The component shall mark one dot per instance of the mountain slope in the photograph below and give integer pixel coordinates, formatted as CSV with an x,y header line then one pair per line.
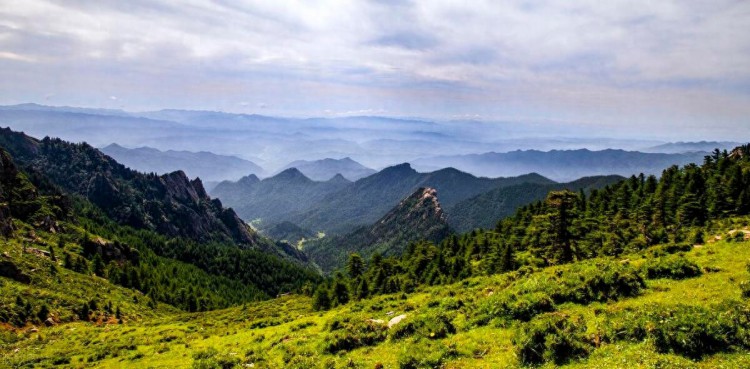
x,y
170,204
370,198
484,210
205,165
325,169
278,198
562,165
417,217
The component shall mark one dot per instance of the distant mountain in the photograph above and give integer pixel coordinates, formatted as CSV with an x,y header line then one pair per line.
x,y
205,165
169,204
484,210
562,165
369,198
686,147
339,206
325,169
417,217
278,198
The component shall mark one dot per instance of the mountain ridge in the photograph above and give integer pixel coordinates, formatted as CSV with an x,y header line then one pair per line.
x,y
417,217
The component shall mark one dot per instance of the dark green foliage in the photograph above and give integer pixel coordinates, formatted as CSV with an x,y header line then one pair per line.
x,y
582,283
684,330
321,298
352,332
485,209
220,275
509,306
427,355
552,337
601,281
431,325
671,266
745,289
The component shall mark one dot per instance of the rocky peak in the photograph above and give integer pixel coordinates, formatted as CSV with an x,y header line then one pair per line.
x,y
422,204
178,186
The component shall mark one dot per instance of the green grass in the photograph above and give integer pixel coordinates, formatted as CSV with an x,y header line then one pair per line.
x,y
441,329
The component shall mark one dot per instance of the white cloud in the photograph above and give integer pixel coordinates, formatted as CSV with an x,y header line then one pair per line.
x,y
586,60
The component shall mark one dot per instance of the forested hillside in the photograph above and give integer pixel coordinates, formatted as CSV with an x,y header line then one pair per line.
x,y
170,204
483,210
626,217
56,241
417,217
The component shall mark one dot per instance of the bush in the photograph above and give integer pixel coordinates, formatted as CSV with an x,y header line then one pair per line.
x,y
745,288
668,249
689,331
212,359
427,356
552,337
602,281
431,325
509,306
348,334
673,267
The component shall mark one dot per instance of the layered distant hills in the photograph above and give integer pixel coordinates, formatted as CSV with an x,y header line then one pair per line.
x,y
274,142
205,165
561,165
325,169
339,206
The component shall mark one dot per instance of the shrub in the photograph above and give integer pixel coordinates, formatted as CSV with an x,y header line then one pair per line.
x,y
431,325
673,267
601,281
745,288
348,334
689,331
552,337
427,356
212,359
509,306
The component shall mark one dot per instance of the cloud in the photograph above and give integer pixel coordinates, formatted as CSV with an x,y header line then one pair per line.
x,y
621,61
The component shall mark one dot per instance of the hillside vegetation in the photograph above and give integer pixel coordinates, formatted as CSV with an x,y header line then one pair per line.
x,y
598,313
645,272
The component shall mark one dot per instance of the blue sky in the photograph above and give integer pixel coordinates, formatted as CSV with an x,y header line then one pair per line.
x,y
649,66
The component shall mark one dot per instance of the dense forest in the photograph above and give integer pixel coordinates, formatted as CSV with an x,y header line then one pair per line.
x,y
631,215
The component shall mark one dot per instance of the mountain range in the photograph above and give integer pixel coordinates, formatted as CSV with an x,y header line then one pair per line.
x,y
205,165
274,142
325,169
561,165
169,204
338,205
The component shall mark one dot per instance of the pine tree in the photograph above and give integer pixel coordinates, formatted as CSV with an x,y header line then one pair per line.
x,y
321,300
355,267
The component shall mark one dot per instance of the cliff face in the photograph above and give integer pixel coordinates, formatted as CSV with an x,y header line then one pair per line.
x,y
419,214
170,204
417,217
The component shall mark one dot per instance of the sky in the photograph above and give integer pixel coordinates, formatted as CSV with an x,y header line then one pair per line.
x,y
644,66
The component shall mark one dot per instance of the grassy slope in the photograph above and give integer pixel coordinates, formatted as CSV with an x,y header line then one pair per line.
x,y
286,333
